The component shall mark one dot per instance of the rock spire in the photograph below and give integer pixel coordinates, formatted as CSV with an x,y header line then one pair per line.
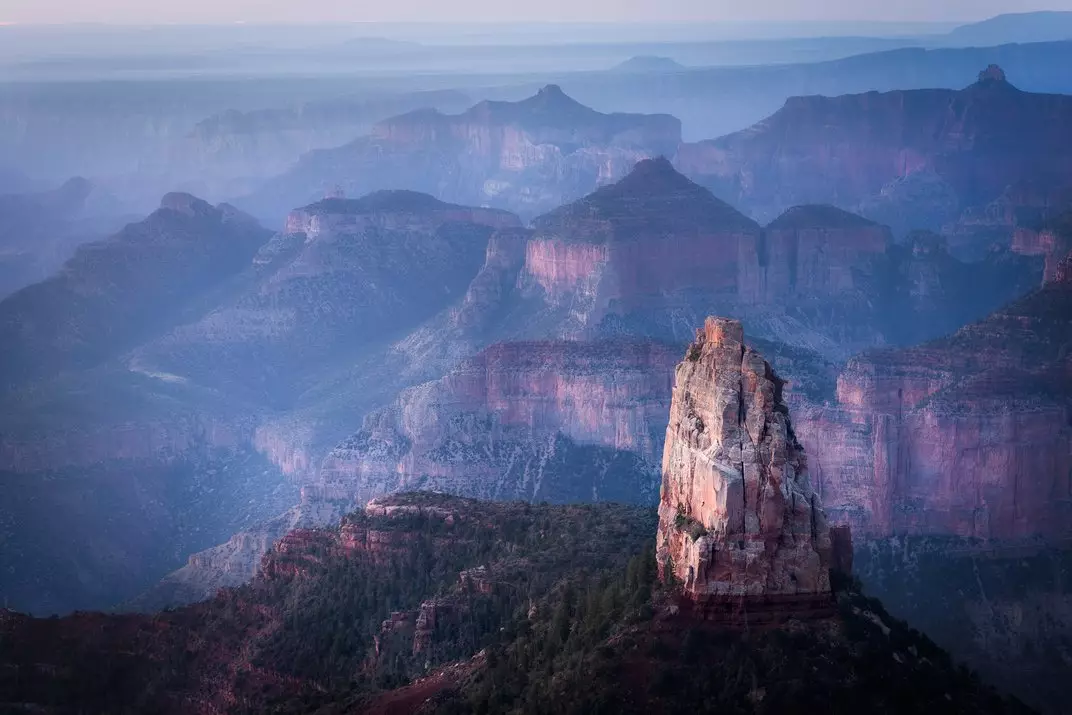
x,y
737,515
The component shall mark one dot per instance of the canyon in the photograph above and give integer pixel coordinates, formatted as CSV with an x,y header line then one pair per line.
x,y
580,414
419,419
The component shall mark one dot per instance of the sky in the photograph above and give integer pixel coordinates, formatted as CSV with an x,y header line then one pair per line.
x,y
228,11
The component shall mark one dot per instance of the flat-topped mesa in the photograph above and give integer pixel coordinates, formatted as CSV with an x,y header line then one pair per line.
x,y
738,520
396,210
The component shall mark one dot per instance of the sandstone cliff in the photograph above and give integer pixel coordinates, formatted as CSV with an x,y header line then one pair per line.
x,y
552,420
655,252
590,292
737,515
914,159
967,435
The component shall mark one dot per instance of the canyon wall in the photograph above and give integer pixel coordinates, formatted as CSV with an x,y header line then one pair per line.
x,y
967,435
974,164
548,420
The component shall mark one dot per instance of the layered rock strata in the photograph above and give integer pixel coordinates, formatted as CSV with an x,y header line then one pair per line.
x,y
737,515
968,435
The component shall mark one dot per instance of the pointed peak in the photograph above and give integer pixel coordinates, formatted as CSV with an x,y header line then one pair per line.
x,y
655,175
551,91
728,417
819,216
657,195
186,204
655,166
552,97
717,332
992,73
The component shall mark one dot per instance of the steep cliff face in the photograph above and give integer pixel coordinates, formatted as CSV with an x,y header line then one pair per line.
x,y
645,258
811,252
915,159
653,252
968,435
553,420
527,157
1051,238
737,515
653,234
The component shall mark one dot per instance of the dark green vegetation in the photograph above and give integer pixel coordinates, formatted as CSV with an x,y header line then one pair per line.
x,y
531,609
861,661
303,634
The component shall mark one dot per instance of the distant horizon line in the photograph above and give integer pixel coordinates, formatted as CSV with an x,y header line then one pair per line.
x,y
516,23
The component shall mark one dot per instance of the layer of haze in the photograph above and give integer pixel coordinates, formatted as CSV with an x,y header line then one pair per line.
x,y
215,11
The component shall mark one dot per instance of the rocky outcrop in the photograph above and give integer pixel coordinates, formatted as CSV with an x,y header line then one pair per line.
x,y
527,157
967,435
653,234
912,159
393,585
238,560
1051,239
737,514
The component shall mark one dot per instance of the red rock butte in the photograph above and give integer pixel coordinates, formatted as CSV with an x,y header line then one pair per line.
x,y
740,528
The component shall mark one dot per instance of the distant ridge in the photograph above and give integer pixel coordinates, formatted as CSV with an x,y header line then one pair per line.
x,y
1044,26
649,63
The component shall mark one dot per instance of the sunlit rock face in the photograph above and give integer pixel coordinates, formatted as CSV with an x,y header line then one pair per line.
x,y
967,435
737,515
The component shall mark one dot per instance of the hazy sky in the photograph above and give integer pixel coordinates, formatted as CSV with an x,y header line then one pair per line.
x,y
214,11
